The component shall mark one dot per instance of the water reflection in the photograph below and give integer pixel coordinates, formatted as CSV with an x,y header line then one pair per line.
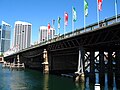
x,y
80,86
34,80
46,82
18,81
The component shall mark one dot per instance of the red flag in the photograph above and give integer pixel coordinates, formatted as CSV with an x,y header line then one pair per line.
x,y
48,28
66,19
99,5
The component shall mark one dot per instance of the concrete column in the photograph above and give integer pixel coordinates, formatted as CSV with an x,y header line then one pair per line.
x,y
45,63
102,68
80,77
92,67
18,59
117,69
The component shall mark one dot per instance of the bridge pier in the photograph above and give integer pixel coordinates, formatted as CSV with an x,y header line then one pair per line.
x,y
80,76
45,63
110,69
92,67
18,59
117,69
102,68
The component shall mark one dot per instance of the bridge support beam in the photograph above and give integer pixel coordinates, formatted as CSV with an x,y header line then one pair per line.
x,y
92,67
102,68
117,70
80,77
110,69
45,63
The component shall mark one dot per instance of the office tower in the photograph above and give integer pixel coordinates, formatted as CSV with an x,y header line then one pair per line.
x,y
5,31
22,34
45,34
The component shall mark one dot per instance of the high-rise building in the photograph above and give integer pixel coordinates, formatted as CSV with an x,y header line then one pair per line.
x,y
22,34
45,34
5,31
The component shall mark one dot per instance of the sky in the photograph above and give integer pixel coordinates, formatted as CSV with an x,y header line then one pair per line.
x,y
41,12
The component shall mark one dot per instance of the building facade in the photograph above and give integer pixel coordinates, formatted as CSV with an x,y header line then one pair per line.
x,y
45,34
5,37
22,34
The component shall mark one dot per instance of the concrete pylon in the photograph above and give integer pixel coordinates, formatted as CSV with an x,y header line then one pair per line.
x,y
80,77
18,59
45,63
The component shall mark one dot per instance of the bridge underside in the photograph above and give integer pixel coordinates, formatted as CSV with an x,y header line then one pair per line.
x,y
103,38
64,53
64,61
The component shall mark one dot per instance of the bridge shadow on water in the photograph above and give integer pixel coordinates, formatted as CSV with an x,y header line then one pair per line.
x,y
34,80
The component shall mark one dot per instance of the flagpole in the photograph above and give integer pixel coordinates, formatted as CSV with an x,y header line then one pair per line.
x,y
58,32
84,22
48,31
47,35
58,25
84,17
73,26
97,14
64,29
64,25
72,22
53,28
116,9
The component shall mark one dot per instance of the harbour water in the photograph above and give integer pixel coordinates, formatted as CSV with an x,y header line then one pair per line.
x,y
35,80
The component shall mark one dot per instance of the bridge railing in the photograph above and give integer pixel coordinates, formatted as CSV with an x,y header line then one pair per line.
x,y
94,26
103,23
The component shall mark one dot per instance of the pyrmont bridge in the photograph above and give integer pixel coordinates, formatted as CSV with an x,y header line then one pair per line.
x,y
95,49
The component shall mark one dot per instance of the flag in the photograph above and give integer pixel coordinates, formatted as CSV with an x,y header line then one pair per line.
x,y
74,14
48,28
85,8
59,22
99,5
66,19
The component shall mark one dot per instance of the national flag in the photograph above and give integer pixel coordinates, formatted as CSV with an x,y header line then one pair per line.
x,y
99,5
85,8
66,19
48,28
74,14
59,22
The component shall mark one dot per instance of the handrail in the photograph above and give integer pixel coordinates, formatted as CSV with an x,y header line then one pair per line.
x,y
102,23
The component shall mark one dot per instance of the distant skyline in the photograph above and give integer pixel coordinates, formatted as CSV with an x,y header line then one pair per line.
x,y
41,12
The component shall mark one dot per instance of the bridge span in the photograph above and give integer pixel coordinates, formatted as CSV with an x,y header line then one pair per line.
x,y
96,49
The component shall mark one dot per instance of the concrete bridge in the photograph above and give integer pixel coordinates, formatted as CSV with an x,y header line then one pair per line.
x,y
95,49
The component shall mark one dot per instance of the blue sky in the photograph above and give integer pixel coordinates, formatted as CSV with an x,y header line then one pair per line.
x,y
41,12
